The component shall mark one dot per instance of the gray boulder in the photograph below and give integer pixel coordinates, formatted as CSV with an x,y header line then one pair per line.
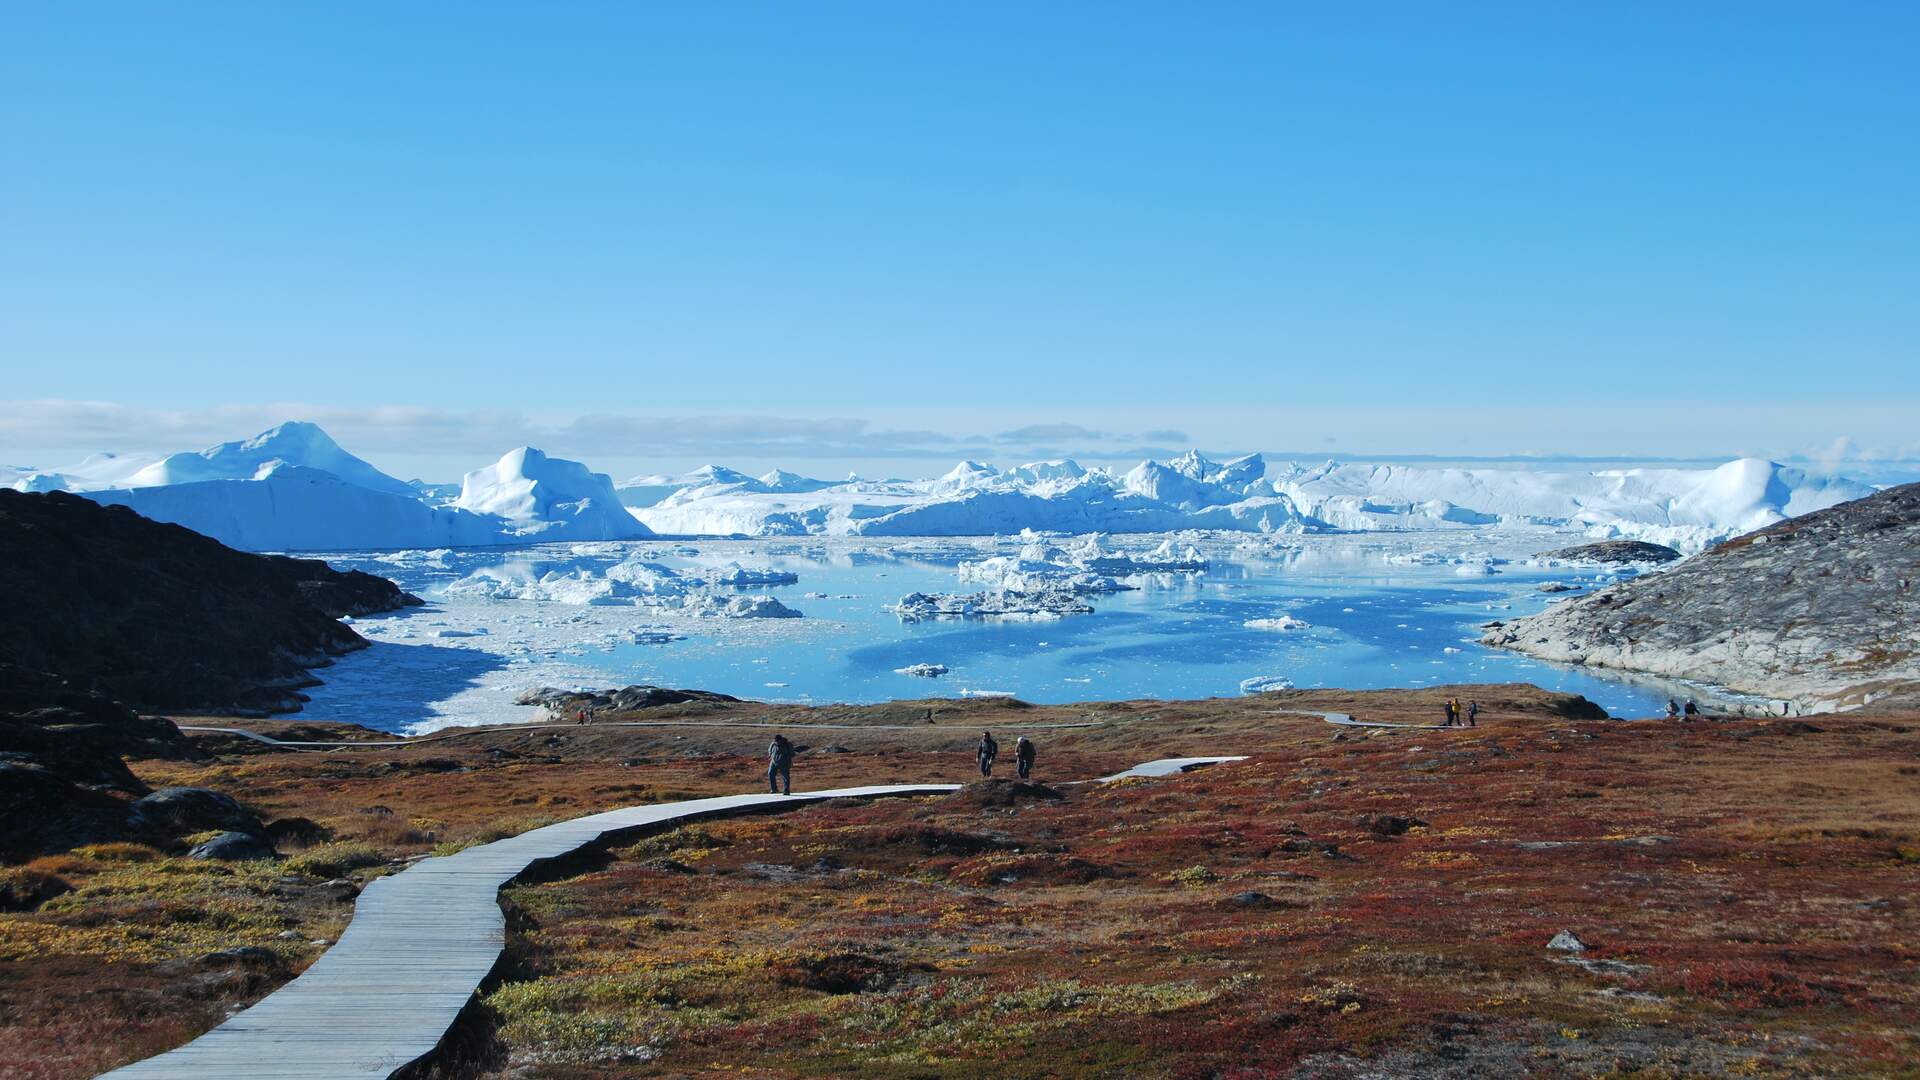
x,y
178,810
233,847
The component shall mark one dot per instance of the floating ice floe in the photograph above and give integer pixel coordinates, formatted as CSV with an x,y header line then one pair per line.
x,y
1006,604
1283,622
922,671
634,582
735,575
738,607
1261,684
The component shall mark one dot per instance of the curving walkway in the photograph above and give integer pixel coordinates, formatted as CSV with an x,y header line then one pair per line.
x,y
422,941
558,725
1343,720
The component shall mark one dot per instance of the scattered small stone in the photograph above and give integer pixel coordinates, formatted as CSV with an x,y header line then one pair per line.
x,y
1567,941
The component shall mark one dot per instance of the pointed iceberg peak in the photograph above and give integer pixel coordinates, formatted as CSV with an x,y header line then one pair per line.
x,y
550,497
1193,465
294,443
970,468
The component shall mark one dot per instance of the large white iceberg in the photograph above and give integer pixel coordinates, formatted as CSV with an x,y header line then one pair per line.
x,y
293,488
549,498
294,443
289,508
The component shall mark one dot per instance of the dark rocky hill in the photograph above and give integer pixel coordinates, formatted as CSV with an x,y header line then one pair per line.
x,y
163,618
1822,611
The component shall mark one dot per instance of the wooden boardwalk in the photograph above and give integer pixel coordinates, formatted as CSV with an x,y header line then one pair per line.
x,y
422,941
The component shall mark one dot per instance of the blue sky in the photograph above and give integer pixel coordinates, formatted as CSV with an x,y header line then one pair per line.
x,y
1618,229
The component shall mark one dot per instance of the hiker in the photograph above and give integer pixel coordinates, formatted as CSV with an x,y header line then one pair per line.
x,y
1693,711
987,752
1023,752
1673,709
780,765
1473,714
1453,712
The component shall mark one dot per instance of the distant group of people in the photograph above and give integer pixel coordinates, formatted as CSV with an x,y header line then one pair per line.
x,y
1456,716
988,751
781,750
1675,712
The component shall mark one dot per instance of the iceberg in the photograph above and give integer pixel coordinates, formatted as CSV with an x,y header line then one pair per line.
x,y
1283,622
1261,684
547,498
1684,508
975,499
290,508
922,671
292,488
1007,605
296,443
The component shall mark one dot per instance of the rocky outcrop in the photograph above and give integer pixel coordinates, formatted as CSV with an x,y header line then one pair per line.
x,y
1615,551
162,618
63,780
1821,611
566,704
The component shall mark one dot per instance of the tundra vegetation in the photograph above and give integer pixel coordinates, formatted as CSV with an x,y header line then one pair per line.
x,y
1545,894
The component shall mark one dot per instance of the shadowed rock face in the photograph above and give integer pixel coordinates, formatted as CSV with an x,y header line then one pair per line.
x,y
161,617
62,778
1822,611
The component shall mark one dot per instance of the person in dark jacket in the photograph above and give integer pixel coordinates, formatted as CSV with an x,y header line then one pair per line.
x,y
780,765
1023,752
1473,714
987,752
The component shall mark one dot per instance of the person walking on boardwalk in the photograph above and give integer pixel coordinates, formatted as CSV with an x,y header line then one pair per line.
x,y
1693,711
1673,709
1023,752
780,766
987,752
1453,712
1473,714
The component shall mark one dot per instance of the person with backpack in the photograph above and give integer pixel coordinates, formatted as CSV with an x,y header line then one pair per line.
x,y
1473,714
780,766
1023,752
987,752
1673,709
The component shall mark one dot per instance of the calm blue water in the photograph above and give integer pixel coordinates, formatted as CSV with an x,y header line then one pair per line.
x,y
1374,624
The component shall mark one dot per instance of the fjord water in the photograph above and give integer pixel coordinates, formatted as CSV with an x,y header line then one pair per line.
x,y
1378,619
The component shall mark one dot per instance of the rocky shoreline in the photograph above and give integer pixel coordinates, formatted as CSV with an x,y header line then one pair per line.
x,y
1817,613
